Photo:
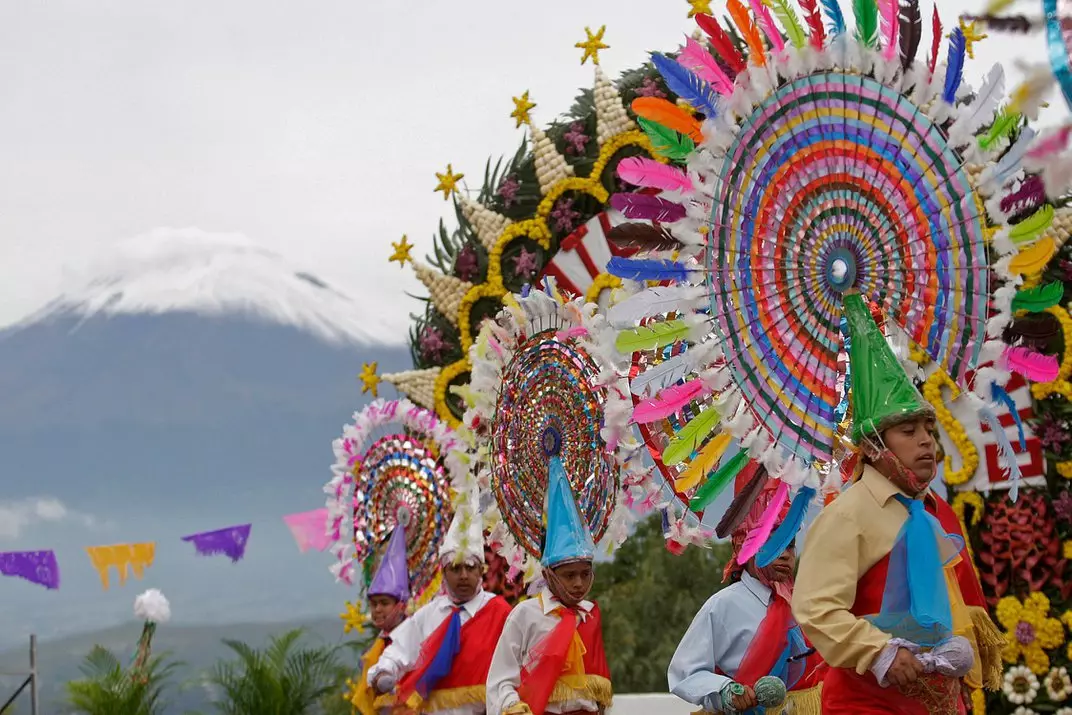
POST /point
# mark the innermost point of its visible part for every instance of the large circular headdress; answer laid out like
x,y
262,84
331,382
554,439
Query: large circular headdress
x,y
394,464
823,164
539,387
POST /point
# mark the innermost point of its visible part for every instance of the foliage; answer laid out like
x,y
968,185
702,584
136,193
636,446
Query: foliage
x,y
281,679
648,598
108,689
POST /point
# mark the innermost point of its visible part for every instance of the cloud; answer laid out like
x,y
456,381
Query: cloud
x,y
17,516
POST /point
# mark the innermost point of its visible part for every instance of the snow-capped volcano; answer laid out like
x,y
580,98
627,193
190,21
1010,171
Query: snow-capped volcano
x,y
194,271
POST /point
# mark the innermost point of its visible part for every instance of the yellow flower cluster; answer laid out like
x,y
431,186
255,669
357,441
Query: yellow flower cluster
x,y
1067,549
969,455
1060,385
1065,469
602,282
961,502
1030,631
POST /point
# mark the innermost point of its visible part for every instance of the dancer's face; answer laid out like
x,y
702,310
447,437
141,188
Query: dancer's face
x,y
575,580
463,579
381,609
912,443
779,570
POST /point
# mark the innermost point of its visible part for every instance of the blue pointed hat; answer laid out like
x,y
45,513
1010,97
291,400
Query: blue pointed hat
x,y
566,535
392,577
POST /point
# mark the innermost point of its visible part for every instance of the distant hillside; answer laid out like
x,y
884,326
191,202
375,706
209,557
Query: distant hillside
x,y
198,647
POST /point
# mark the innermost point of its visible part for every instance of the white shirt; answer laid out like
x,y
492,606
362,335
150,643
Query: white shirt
x,y
718,638
529,622
406,641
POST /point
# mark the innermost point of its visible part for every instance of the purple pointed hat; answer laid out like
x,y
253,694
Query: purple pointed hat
x,y
392,577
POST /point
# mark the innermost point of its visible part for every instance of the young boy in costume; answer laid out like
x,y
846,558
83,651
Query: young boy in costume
x,y
439,659
387,597
886,589
746,630
550,656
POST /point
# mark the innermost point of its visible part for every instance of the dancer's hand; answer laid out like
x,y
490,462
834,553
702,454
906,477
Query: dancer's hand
x,y
904,669
383,683
745,700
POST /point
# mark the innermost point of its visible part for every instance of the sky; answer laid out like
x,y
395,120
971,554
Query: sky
x,y
315,129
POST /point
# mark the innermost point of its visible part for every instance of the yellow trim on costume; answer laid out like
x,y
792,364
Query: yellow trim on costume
x,y
364,697
447,699
582,687
797,702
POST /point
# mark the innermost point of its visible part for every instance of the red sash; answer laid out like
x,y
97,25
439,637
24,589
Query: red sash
x,y
847,693
591,632
479,636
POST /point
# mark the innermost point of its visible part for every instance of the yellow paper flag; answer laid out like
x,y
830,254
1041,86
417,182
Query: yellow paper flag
x,y
125,558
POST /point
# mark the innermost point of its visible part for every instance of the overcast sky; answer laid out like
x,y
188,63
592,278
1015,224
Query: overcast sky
x,y
313,128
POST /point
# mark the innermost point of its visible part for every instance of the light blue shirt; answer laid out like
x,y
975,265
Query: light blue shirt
x,y
718,637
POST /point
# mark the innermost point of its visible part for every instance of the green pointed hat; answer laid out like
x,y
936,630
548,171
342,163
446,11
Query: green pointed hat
x,y
882,393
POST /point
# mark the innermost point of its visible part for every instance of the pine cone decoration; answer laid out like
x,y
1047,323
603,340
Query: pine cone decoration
x,y
1020,550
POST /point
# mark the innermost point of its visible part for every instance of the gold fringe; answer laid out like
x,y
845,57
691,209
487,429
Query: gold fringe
x,y
582,687
447,699
978,702
991,641
384,702
797,702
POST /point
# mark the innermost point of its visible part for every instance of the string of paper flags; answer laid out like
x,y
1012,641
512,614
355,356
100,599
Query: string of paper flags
x,y
42,568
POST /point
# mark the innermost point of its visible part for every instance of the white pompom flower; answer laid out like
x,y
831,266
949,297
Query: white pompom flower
x,y
1058,684
1023,711
152,606
1020,686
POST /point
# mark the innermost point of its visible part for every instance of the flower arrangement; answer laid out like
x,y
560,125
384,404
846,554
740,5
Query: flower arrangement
x,y
1030,631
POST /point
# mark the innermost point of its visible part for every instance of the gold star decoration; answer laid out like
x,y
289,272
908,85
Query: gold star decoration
x,y
370,381
699,7
522,107
401,254
971,36
353,619
592,45
448,182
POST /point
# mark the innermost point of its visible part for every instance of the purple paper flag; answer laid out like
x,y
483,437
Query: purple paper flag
x,y
230,541
38,567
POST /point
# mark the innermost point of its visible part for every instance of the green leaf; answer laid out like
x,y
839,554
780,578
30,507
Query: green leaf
x,y
1039,298
667,142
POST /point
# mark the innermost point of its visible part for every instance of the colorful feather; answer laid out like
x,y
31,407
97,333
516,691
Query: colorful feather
x,y
981,109
1003,125
705,461
689,438
647,208
667,143
669,402
1036,367
757,51
722,44
1030,193
656,300
665,373
686,85
814,20
1033,258
890,28
997,392
1053,143
762,531
1000,174
651,337
1039,298
936,39
742,503
866,14
911,22
766,23
837,18
647,269
699,61
787,531
954,71
785,14
718,481
642,171
1033,226
669,115
641,237
1008,456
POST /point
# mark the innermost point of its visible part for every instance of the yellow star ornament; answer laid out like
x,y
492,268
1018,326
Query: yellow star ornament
x,y
971,36
699,7
370,381
401,254
592,45
522,107
353,619
448,182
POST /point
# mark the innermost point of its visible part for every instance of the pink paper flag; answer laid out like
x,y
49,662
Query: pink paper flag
x,y
309,529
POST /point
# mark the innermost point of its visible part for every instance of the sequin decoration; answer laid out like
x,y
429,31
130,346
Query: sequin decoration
x,y
402,478
548,385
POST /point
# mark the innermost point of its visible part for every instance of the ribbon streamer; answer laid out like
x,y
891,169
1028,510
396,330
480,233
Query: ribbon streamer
x,y
124,558
230,542
38,567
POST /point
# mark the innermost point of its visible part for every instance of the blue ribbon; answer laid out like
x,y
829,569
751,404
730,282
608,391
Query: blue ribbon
x,y
1058,50
444,657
